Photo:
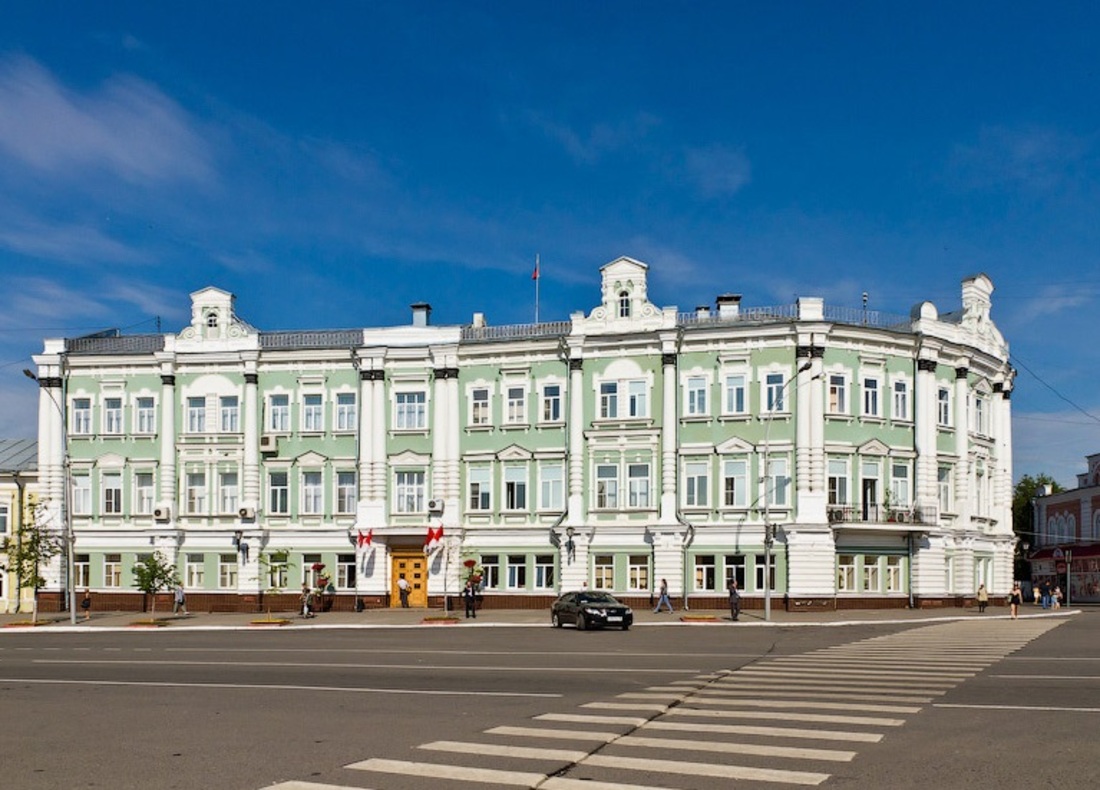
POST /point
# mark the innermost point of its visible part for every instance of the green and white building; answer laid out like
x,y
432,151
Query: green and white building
x,y
627,445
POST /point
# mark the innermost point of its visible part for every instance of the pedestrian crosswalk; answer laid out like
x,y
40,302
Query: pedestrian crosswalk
x,y
783,720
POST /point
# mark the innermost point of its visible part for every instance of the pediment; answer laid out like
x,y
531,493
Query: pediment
x,y
514,452
312,458
735,444
874,447
111,460
409,458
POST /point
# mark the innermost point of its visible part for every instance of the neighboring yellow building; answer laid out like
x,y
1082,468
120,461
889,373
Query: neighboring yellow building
x,y
18,481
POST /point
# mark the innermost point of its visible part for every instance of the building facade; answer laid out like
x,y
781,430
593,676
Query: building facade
x,y
824,456
1065,550
18,478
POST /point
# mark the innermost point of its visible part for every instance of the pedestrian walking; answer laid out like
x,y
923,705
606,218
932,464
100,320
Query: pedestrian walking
x,y
735,600
306,601
663,600
1056,598
1015,599
86,604
403,591
469,597
1035,592
179,600
1045,595
983,598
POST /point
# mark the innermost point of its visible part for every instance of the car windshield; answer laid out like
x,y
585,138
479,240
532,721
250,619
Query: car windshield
x,y
603,598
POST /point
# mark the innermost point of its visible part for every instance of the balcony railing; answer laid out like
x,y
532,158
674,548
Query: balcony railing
x,y
881,514
488,334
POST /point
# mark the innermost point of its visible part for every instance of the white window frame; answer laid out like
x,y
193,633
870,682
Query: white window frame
x,y
846,565
838,482
637,573
229,491
638,484
900,483
603,571
347,412
696,483
900,400
145,415
144,492
196,414
735,394
696,403
837,401
515,488
871,391
774,392
313,492
347,492
552,401
409,491
778,482
516,571
479,488
607,486
112,415
544,572
981,414
229,414
552,486
945,487
82,494
313,412
943,407
705,573
737,471
278,492
410,410
228,572
892,575
111,483
82,417
515,404
112,570
194,573
346,572
872,574
480,406
278,412
195,497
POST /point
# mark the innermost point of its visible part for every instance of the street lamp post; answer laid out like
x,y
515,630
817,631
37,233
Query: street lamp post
x,y
769,533
66,513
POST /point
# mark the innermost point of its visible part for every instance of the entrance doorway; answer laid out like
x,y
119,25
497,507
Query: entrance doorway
x,y
412,565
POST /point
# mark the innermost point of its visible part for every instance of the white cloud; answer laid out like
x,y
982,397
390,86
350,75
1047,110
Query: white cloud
x,y
589,145
127,127
62,242
1033,158
718,171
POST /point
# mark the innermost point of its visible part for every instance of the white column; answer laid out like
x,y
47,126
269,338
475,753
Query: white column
x,y
669,424
250,423
925,404
168,439
577,511
962,449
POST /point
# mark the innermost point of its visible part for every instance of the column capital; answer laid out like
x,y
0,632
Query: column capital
x,y
962,373
668,359
251,378
926,365
576,364
168,379
445,373
372,375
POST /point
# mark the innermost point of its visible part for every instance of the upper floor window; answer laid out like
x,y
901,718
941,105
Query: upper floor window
x,y
943,407
838,481
82,495
981,415
774,389
195,492
624,304
345,411
551,403
278,419
871,398
313,413
943,488
624,400
778,481
733,394
609,399
230,414
211,320
346,491
551,486
901,400
516,406
112,493
735,482
838,394
145,418
695,396
479,406
411,411
479,487
82,415
899,484
409,494
637,485
278,488
112,415
607,486
196,415
515,488
143,493
312,503
696,484
229,492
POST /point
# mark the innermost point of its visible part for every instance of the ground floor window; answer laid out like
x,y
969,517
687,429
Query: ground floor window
x,y
196,571
227,571
544,571
345,571
705,573
490,571
112,570
760,565
875,573
734,570
846,573
517,571
638,573
603,572
82,577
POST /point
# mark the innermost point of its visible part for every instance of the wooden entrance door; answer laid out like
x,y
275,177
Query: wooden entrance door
x,y
413,565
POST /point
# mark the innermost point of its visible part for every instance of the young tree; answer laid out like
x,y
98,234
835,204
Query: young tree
x,y
29,550
274,573
153,574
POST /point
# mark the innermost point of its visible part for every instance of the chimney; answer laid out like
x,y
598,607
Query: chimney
x,y
422,311
729,305
702,312
479,321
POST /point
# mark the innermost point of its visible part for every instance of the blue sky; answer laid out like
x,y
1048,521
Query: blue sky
x,y
330,164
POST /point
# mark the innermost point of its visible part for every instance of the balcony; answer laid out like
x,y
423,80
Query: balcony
x,y
881,514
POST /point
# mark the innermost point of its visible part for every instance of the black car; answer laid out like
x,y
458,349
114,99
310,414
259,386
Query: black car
x,y
588,608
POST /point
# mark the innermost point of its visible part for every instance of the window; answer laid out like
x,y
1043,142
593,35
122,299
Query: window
x,y
637,485
196,415
838,394
733,394
277,565
345,571
773,388
735,482
112,570
695,484
624,304
603,572
229,489
901,400
313,413
311,493
478,479
943,407
609,400
82,495
411,412
515,488
735,570
145,416
82,416
551,403
196,492
143,493
981,417
516,405
211,320
899,484
410,492
636,393
637,572
759,562
112,415
869,471
195,571
943,488
227,571
544,571
112,493
778,481
278,488
695,396
870,398
517,572
871,575
551,487
311,573
838,481
846,573
479,406
893,574
346,413
346,494
490,572
636,399
230,414
607,486
82,575
705,572
278,419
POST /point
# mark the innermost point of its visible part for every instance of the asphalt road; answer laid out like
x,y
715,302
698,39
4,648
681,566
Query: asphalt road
x,y
996,703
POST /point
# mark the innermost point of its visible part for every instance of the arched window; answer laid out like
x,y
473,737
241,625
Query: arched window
x,y
624,304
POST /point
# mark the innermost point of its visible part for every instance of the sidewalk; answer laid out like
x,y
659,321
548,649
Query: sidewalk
x,y
55,622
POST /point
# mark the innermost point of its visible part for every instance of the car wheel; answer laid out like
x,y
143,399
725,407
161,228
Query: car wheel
x,y
626,626
582,623
555,620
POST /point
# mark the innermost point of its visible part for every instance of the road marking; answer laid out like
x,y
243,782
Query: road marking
x,y
1049,677
322,665
935,677
578,718
561,783
280,687
498,750
1038,708
763,685
296,785
625,706
816,692
793,752
776,732
548,732
707,769
815,704
442,771
817,718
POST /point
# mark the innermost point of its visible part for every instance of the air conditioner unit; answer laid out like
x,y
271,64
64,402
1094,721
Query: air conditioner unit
x,y
247,513
435,505
268,444
161,513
